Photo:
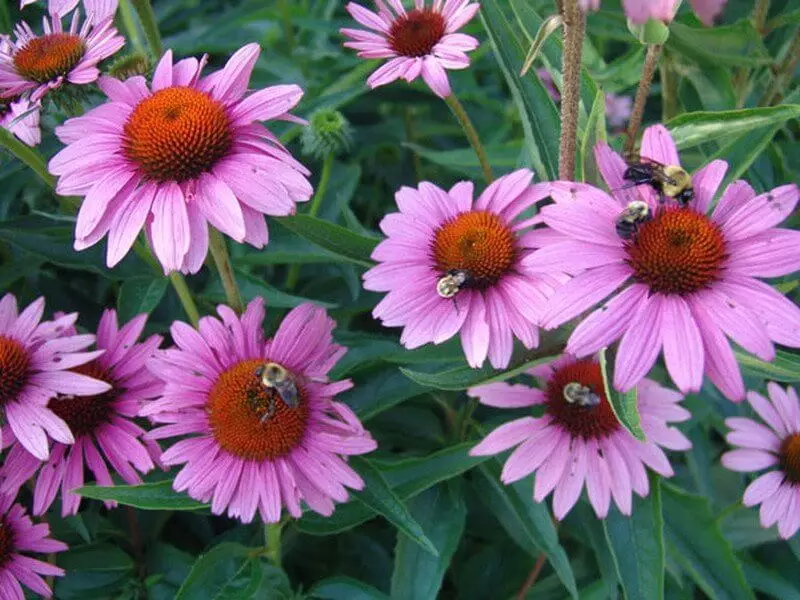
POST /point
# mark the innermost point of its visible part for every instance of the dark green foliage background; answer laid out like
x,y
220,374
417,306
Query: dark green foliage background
x,y
691,538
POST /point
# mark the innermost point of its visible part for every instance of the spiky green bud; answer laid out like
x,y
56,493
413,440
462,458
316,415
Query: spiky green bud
x,y
136,63
328,132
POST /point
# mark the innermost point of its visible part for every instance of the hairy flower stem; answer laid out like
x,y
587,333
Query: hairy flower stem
x,y
150,27
532,576
574,31
272,542
219,250
648,71
472,135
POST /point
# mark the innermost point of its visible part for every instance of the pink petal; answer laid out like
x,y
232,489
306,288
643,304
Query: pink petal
x,y
657,144
640,344
683,346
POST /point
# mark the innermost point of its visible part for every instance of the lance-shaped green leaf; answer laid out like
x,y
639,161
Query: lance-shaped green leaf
x,y
147,496
624,404
352,246
637,545
691,129
378,496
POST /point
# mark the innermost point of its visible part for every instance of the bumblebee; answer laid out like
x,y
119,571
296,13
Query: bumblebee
x,y
575,393
274,376
636,214
450,284
669,181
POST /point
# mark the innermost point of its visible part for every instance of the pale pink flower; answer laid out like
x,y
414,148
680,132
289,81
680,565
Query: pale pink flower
x,y
684,283
21,117
437,233
103,425
640,11
35,365
247,448
19,535
618,110
422,41
96,10
172,159
774,446
41,63
573,444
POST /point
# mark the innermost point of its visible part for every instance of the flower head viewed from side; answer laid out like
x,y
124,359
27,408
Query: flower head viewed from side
x,y
684,281
264,429
640,11
41,63
102,425
21,117
171,159
36,365
453,264
578,440
19,535
421,41
773,445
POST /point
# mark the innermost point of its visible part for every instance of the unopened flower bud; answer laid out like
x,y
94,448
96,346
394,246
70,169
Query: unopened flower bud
x,y
328,132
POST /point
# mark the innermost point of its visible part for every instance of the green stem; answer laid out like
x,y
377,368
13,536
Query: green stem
x,y
272,542
27,155
219,250
472,135
129,23
288,28
185,295
669,90
324,180
148,20
782,74
293,276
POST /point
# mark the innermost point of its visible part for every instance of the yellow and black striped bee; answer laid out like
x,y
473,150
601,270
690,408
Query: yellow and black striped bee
x,y
637,213
450,284
582,395
276,377
670,181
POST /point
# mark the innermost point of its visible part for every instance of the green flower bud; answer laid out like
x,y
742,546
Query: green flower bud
x,y
136,63
651,33
328,132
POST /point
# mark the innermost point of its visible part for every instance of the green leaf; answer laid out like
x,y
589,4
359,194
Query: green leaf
x,y
624,405
737,45
383,390
349,245
691,129
697,544
215,570
465,161
595,132
593,529
785,367
147,496
99,557
378,496
407,477
637,545
417,574
769,582
252,287
345,588
527,522
463,377
537,110
140,295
